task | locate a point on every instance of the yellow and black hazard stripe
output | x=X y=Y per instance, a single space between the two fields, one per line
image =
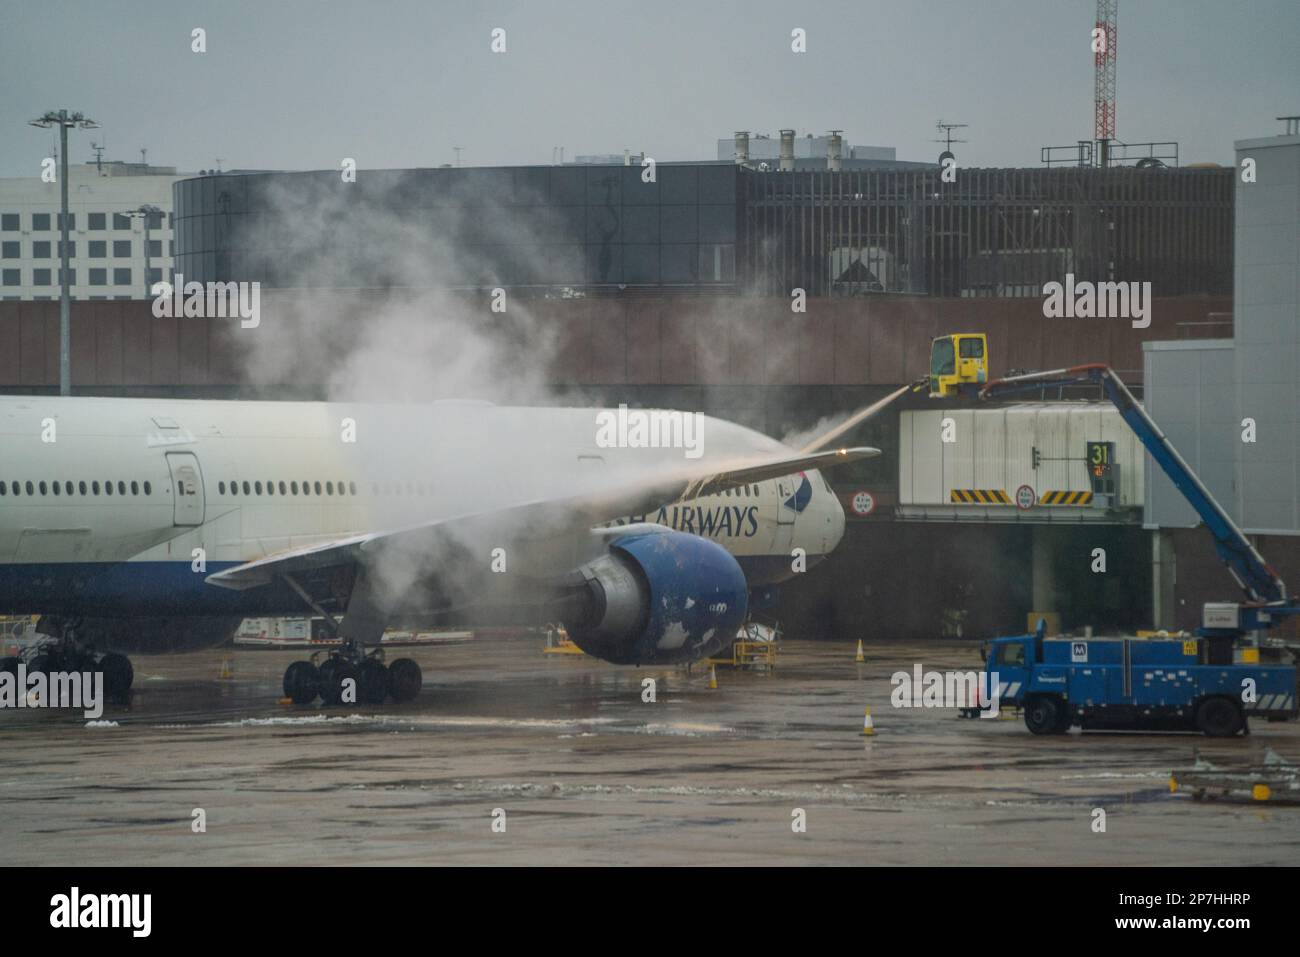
x=1066 y=498
x=978 y=496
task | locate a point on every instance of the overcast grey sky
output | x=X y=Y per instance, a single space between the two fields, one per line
x=300 y=85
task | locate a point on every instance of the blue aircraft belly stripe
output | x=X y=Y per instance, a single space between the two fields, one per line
x=173 y=588
x=133 y=588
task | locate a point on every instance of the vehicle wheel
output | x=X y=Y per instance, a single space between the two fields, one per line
x=404 y=679
x=118 y=675
x=372 y=682
x=1043 y=715
x=333 y=673
x=301 y=682
x=1219 y=717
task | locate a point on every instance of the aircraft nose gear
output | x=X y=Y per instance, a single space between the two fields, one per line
x=350 y=675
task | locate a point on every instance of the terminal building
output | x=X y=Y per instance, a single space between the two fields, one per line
x=676 y=290
x=119 y=231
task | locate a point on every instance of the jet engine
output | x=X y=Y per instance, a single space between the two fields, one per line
x=658 y=598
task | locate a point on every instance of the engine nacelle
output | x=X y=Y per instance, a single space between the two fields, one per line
x=660 y=598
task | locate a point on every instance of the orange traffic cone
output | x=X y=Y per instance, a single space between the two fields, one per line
x=861 y=657
x=713 y=678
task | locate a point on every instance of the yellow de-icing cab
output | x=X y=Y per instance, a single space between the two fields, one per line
x=958 y=363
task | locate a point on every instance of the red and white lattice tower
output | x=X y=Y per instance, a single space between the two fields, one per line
x=1105 y=40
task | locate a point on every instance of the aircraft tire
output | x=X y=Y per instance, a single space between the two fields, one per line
x=333 y=673
x=372 y=682
x=301 y=682
x=118 y=675
x=404 y=679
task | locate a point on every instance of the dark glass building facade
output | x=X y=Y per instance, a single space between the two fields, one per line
x=713 y=227
x=563 y=227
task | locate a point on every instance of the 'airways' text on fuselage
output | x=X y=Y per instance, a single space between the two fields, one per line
x=719 y=520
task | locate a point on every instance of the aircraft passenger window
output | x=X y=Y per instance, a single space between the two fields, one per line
x=14 y=486
x=329 y=488
x=352 y=487
x=3 y=488
x=342 y=489
x=108 y=488
x=81 y=487
x=31 y=489
x=282 y=489
x=121 y=488
x=270 y=488
x=148 y=489
x=257 y=487
x=247 y=489
x=56 y=487
x=42 y=486
x=318 y=488
x=135 y=488
x=94 y=486
x=293 y=487
x=67 y=487
x=221 y=488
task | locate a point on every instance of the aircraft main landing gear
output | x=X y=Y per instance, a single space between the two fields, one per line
x=350 y=675
x=64 y=653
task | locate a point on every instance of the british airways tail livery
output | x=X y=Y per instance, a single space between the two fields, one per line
x=150 y=524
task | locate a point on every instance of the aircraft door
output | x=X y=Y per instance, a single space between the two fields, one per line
x=785 y=513
x=187 y=488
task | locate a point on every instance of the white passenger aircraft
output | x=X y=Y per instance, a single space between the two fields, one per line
x=152 y=524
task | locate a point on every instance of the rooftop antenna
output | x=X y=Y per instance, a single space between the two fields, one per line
x=99 y=157
x=143 y=154
x=947 y=141
x=946 y=129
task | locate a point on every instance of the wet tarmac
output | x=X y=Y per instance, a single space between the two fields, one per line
x=562 y=753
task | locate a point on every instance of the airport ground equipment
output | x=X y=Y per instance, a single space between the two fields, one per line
x=1266 y=602
x=1274 y=781
x=1132 y=683
x=755 y=647
x=958 y=364
x=1169 y=684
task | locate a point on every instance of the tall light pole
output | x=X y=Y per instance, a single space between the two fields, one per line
x=63 y=119
x=145 y=212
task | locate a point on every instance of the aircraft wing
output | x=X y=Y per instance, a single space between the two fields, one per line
x=529 y=520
